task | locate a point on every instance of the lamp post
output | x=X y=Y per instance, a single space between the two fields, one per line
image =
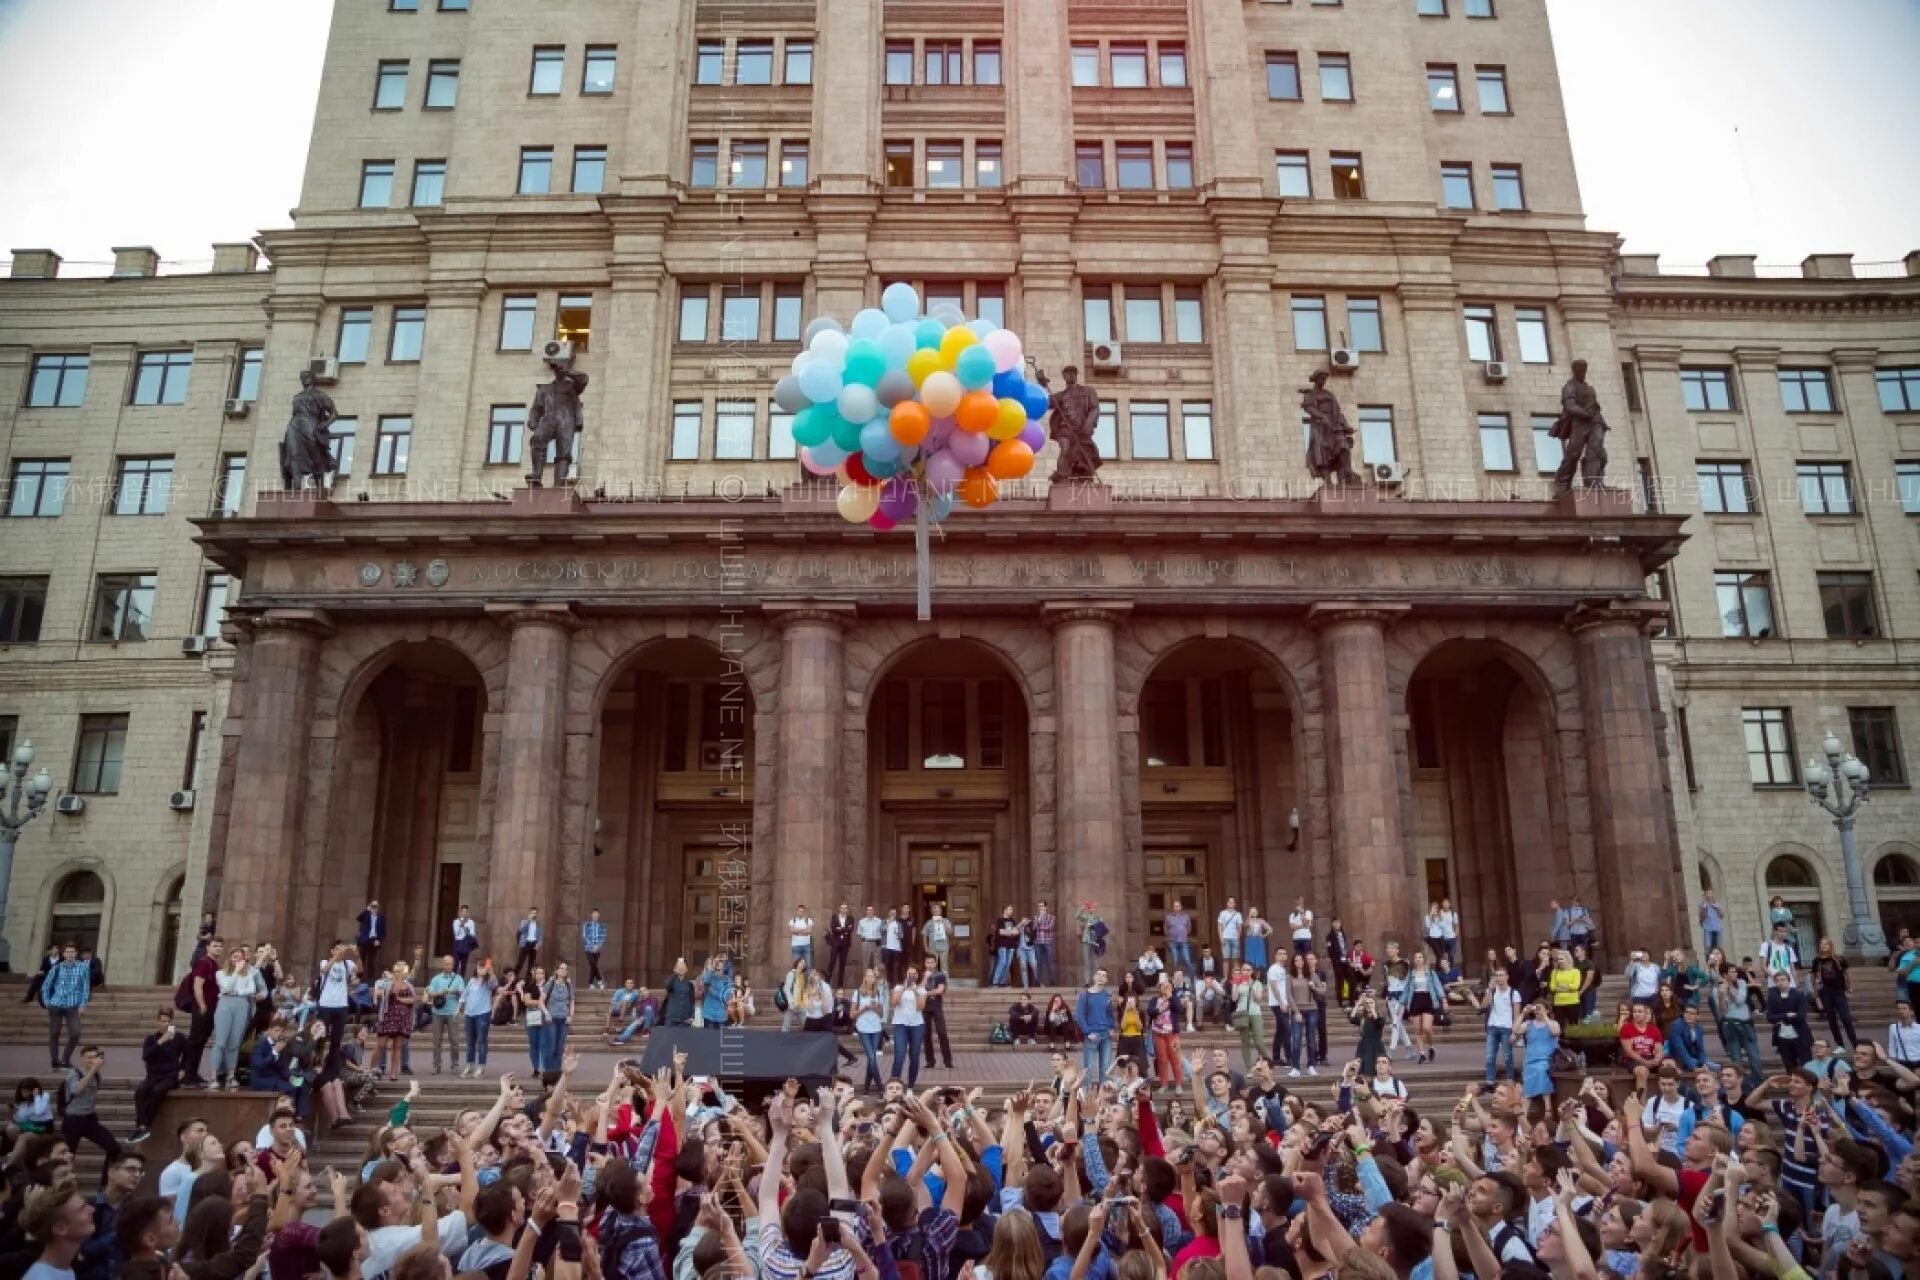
x=1840 y=786
x=35 y=791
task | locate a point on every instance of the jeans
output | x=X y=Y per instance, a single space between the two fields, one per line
x=870 y=1041
x=1002 y=963
x=536 y=1047
x=230 y=1018
x=936 y=1029
x=1230 y=948
x=1839 y=1016
x=443 y=1024
x=1250 y=1039
x=801 y=951
x=478 y=1025
x=1180 y=956
x=147 y=1096
x=906 y=1048
x=644 y=1022
x=1285 y=1046
x=460 y=958
x=1096 y=1056
x=1712 y=938
x=1089 y=961
x=556 y=1042
x=88 y=1126
x=1310 y=1034
x=1029 y=964
x=1043 y=955
x=1742 y=1046
x=593 y=968
x=1499 y=1042
x=55 y=1019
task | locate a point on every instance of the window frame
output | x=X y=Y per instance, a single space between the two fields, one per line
x=23 y=599
x=1452 y=173
x=709 y=56
x=794 y=177
x=1357 y=184
x=390 y=72
x=427 y=169
x=1132 y=153
x=891 y=63
x=535 y=161
x=551 y=58
x=756 y=49
x=1367 y=305
x=747 y=296
x=61 y=365
x=1906 y=479
x=513 y=306
x=945 y=152
x=570 y=330
x=1178 y=166
x=1493 y=425
x=165 y=364
x=1085 y=152
x=694 y=298
x=1771 y=755
x=735 y=411
x=359 y=319
x=898 y=162
x=1171 y=53
x=1132 y=51
x=1713 y=475
x=1310 y=309
x=789 y=52
x=126 y=588
x=1370 y=420
x=1444 y=75
x=1485 y=326
x=591 y=154
x=1284 y=61
x=1151 y=306
x=604 y=53
x=1083 y=56
x=1902 y=379
x=211 y=602
x=1509 y=180
x=685 y=411
x=1888 y=730
x=1191 y=412
x=1747 y=586
x=390 y=460
x=374 y=172
x=1539 y=426
x=1803 y=378
x=1283 y=164
x=407 y=320
x=1858 y=611
x=153 y=492
x=438 y=76
x=703 y=151
x=230 y=489
x=1495 y=73
x=506 y=429
x=1148 y=409
x=1339 y=63
x=1535 y=317
x=1705 y=380
x=1823 y=474
x=111 y=729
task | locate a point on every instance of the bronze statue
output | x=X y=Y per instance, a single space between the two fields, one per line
x=1075 y=411
x=304 y=452
x=1584 y=432
x=1330 y=443
x=556 y=416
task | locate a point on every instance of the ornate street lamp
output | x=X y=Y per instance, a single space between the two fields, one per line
x=1840 y=786
x=35 y=791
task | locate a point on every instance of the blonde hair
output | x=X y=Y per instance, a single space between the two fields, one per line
x=1015 y=1253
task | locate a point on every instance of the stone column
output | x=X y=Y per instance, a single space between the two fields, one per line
x=267 y=817
x=1375 y=894
x=811 y=802
x=1635 y=848
x=1088 y=798
x=530 y=773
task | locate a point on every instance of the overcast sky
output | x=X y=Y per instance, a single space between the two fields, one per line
x=1770 y=127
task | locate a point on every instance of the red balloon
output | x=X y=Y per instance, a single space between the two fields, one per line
x=857 y=472
x=881 y=522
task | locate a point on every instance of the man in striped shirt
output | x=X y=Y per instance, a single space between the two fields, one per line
x=1043 y=929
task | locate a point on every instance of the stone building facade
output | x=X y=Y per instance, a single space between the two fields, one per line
x=687 y=695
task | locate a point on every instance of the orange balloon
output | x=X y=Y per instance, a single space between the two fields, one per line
x=978 y=410
x=910 y=422
x=1010 y=460
x=978 y=488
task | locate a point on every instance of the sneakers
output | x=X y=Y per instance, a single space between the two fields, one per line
x=1313 y=1071
x=1294 y=1072
x=138 y=1136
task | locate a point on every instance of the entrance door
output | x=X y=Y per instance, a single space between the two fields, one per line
x=700 y=905
x=446 y=905
x=950 y=874
x=1177 y=873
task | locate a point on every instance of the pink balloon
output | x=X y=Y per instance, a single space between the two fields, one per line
x=970 y=448
x=943 y=470
x=881 y=521
x=1005 y=346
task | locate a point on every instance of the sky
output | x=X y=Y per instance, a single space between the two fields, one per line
x=1700 y=127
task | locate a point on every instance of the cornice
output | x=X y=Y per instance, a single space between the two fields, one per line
x=1329 y=613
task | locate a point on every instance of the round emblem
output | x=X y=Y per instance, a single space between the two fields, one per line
x=369 y=575
x=438 y=573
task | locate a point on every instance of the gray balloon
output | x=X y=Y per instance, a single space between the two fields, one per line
x=894 y=387
x=821 y=325
x=788 y=395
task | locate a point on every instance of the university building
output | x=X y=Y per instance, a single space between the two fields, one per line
x=685 y=693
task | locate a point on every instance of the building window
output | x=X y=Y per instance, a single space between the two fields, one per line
x=1456 y=184
x=1143 y=313
x=231 y=489
x=1806 y=391
x=946 y=164
x=1707 y=390
x=1876 y=740
x=213 y=603
x=1129 y=66
x=1336 y=78
x=1479 y=8
x=1746 y=604
x=356 y=333
x=1086 y=66
x=142 y=485
x=1309 y=324
x=1096 y=315
x=1443 y=86
x=1483 y=335
x=740 y=313
x=1089 y=165
x=1290 y=172
x=443 y=84
x=733 y=429
x=1846 y=601
x=1725 y=488
x=160 y=377
x=376 y=184
x=1493 y=90
x=1348 y=182
x=1189 y=323
x=1147 y=424
x=573 y=320
x=1133 y=165
x=780 y=442
x=990 y=301
x=1769 y=732
x=516 y=321
x=988 y=172
x=1179 y=166
x=1826 y=488
x=1363 y=325
x=899 y=62
x=1106 y=432
x=390 y=447
x=403 y=6
x=1629 y=378
x=1548 y=449
x=703 y=165
x=899 y=160
x=1508 y=193
x=1196 y=430
x=793 y=164
x=23 y=602
x=549 y=71
x=429 y=183
x=797 y=62
x=1532 y=325
x=1173 y=66
x=943 y=62
x=693 y=315
x=196 y=735
x=1496 y=442
x=96 y=765
x=1430 y=8
x=1643 y=475
x=684 y=445
x=58 y=382
x=787 y=302
x=1686 y=747
x=506 y=424
x=123 y=607
x=390 y=86
x=753 y=62
x=409 y=335
x=340 y=440
x=1283 y=77
x=710 y=62
x=1906 y=476
x=1376 y=434
x=603 y=61
x=1899 y=389
x=536 y=171
x=590 y=169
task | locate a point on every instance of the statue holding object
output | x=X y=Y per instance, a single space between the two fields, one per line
x=1330 y=436
x=304 y=452
x=556 y=417
x=1076 y=410
x=1583 y=430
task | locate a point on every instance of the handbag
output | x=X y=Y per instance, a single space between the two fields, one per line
x=780 y=998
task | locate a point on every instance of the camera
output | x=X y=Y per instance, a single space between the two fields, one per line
x=830 y=1231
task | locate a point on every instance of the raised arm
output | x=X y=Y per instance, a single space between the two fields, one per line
x=1645 y=1167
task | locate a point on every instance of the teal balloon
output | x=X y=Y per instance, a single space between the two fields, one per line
x=812 y=425
x=866 y=362
x=880 y=468
x=974 y=368
x=846 y=434
x=928 y=333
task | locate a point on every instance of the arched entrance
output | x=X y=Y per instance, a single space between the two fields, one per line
x=168 y=928
x=948 y=795
x=1488 y=827
x=79 y=911
x=1793 y=880
x=674 y=805
x=1896 y=891
x=1219 y=790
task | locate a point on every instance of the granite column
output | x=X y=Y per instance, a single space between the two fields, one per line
x=1090 y=828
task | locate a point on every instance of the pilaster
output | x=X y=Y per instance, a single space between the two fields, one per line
x=530 y=768
x=1090 y=828
x=810 y=806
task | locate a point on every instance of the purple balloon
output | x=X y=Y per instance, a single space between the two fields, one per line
x=898 y=500
x=943 y=470
x=1034 y=436
x=938 y=434
x=970 y=447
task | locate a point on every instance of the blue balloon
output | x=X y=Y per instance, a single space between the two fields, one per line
x=897 y=345
x=880 y=468
x=828 y=454
x=982 y=327
x=974 y=367
x=1010 y=386
x=869 y=323
x=928 y=333
x=900 y=302
x=1035 y=401
x=820 y=381
x=940 y=506
x=876 y=441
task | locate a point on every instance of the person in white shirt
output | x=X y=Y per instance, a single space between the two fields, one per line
x=337 y=973
x=800 y=934
x=1903 y=1036
x=1151 y=966
x=401 y=1221
x=1231 y=924
x=1778 y=956
x=1280 y=1009
x=1660 y=1120
x=1300 y=920
x=870 y=931
x=1501 y=1004
x=1643 y=978
x=466 y=939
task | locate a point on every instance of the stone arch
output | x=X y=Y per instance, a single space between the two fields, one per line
x=1778 y=870
x=603 y=651
x=1893 y=885
x=1288 y=651
x=167 y=912
x=354 y=657
x=1025 y=650
x=1540 y=653
x=45 y=900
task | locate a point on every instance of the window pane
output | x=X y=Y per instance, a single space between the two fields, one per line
x=1188 y=322
x=443 y=84
x=733 y=429
x=780 y=443
x=1086 y=66
x=1143 y=315
x=23 y=605
x=1443 y=88
x=376 y=184
x=987 y=172
x=710 y=62
x=1507 y=191
x=409 y=334
x=391 y=446
x=602 y=61
x=1196 y=429
x=1907 y=478
x=340 y=441
x=1496 y=442
x=536 y=171
x=1180 y=166
x=1376 y=434
x=247 y=384
x=59 y=382
x=1291 y=174
x=1129 y=66
x=1482 y=341
x=986 y=62
x=740 y=313
x=703 y=166
x=549 y=65
x=899 y=62
x=900 y=164
x=793 y=164
x=429 y=183
x=1363 y=324
x=573 y=322
x=356 y=328
x=1133 y=165
x=506 y=427
x=1336 y=78
x=1846 y=600
x=1164 y=737
x=1309 y=324
x=1106 y=435
x=945 y=164
x=1348 y=182
x=1149 y=423
x=786 y=313
x=1097 y=314
x=747 y=166
x=1493 y=90
x=685 y=444
x=1548 y=450
x=1283 y=77
x=1173 y=66
x=516 y=322
x=1456 y=185
x=1089 y=165
x=943 y=724
x=39 y=487
x=753 y=62
x=799 y=62
x=390 y=86
x=590 y=170
x=1532 y=324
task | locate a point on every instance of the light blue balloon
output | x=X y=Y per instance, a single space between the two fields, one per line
x=949 y=314
x=858 y=403
x=928 y=333
x=900 y=302
x=938 y=509
x=894 y=387
x=897 y=345
x=974 y=367
x=877 y=442
x=821 y=382
x=827 y=453
x=869 y=323
x=820 y=325
x=982 y=327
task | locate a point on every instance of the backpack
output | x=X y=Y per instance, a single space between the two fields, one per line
x=999 y=1034
x=1505 y=1232
x=909 y=1250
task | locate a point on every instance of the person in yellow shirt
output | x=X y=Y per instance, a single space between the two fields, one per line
x=1563 y=984
x=1133 y=1031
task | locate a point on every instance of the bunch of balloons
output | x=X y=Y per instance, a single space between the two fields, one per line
x=907 y=407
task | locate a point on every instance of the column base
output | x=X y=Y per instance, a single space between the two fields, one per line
x=1865 y=940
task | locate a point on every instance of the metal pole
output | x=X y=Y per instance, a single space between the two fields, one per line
x=1864 y=936
x=9 y=833
x=923 y=557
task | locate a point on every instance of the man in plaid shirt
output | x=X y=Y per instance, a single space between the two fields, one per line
x=593 y=939
x=65 y=993
x=1043 y=927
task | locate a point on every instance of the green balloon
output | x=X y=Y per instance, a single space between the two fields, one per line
x=846 y=434
x=866 y=362
x=812 y=425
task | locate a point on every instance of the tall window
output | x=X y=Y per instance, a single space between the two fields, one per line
x=710 y=62
x=1376 y=434
x=549 y=71
x=1129 y=66
x=1089 y=165
x=1283 y=76
x=573 y=321
x=516 y=321
x=797 y=62
x=1143 y=313
x=693 y=313
x=443 y=84
x=788 y=300
x=1189 y=308
x=1548 y=450
x=899 y=62
x=684 y=445
x=590 y=169
x=1508 y=191
x=780 y=442
x=376 y=184
x=740 y=313
x=536 y=171
x=899 y=162
x=1133 y=165
x=990 y=300
x=391 y=445
x=231 y=489
x=1348 y=182
x=1456 y=184
x=598 y=75
x=1483 y=335
x=409 y=335
x=58 y=382
x=102 y=749
x=123 y=607
x=1906 y=475
x=356 y=334
x=1806 y=391
x=1430 y=8
x=1726 y=488
x=753 y=62
x=1531 y=322
x=429 y=183
x=142 y=486
x=1846 y=601
x=506 y=426
x=213 y=603
x=1179 y=166
x=946 y=163
x=1196 y=430
x=1147 y=420
x=793 y=163
x=190 y=780
x=1826 y=488
x=1769 y=734
x=1876 y=740
x=1309 y=323
x=160 y=377
x=1173 y=65
x=944 y=62
x=1496 y=442
x=1899 y=389
x=390 y=86
x=733 y=429
x=1707 y=389
x=1086 y=66
x=1443 y=86
x=246 y=378
x=1479 y=8
x=340 y=440
x=1096 y=314
x=987 y=167
x=1106 y=432
x=703 y=163
x=1746 y=604
x=1364 y=332
x=1336 y=78
x=23 y=603
x=1492 y=82
x=1291 y=174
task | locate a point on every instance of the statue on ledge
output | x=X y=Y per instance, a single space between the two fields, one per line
x=1075 y=412
x=1330 y=436
x=555 y=419
x=304 y=452
x=1583 y=431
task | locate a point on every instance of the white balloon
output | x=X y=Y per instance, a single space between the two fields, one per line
x=858 y=403
x=900 y=302
x=829 y=345
x=800 y=363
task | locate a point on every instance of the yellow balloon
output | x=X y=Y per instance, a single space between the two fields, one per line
x=1011 y=421
x=858 y=502
x=923 y=362
x=941 y=394
x=953 y=342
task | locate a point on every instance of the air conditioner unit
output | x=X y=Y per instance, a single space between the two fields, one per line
x=325 y=369
x=1496 y=371
x=1108 y=355
x=557 y=352
x=181 y=802
x=1388 y=472
x=237 y=408
x=1345 y=360
x=71 y=804
x=194 y=644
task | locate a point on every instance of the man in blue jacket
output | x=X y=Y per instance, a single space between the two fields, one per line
x=1687 y=1041
x=1093 y=1011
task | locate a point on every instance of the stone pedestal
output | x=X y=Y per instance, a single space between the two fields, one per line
x=808 y=842
x=267 y=816
x=1090 y=827
x=531 y=772
x=1374 y=891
